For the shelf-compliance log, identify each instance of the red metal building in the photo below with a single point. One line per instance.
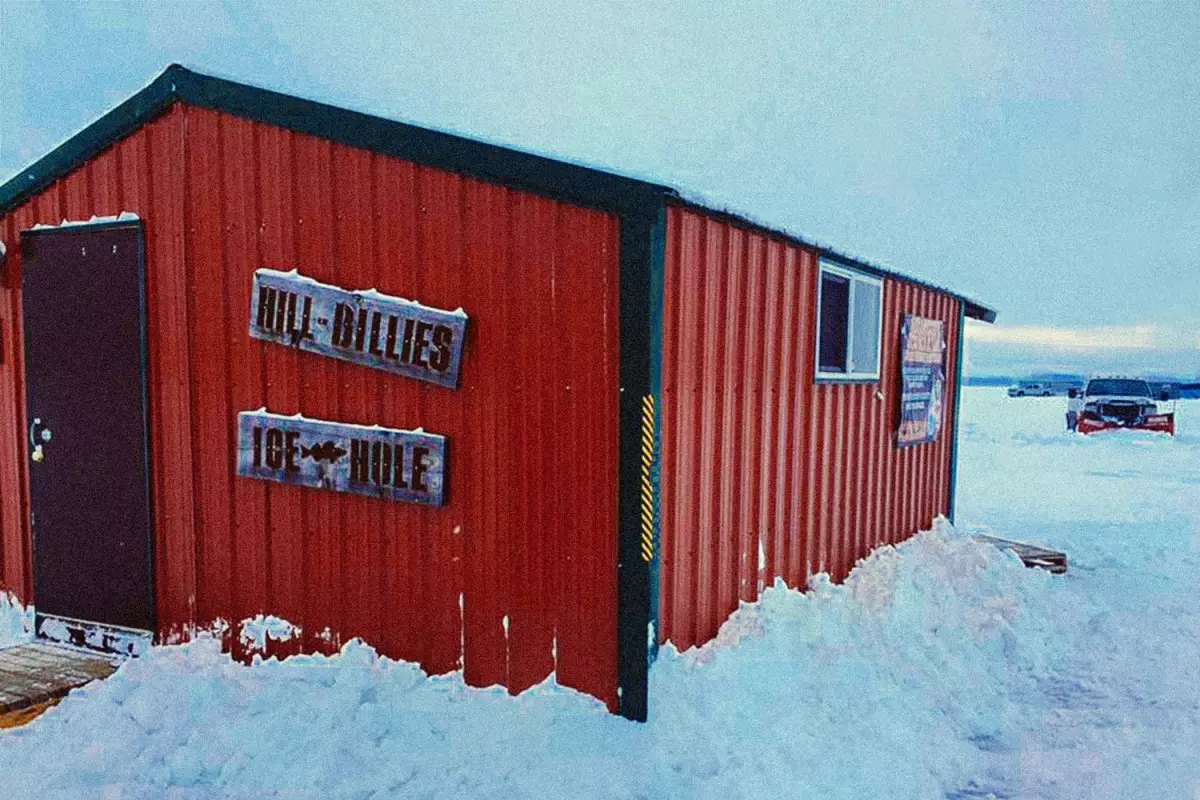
(604, 316)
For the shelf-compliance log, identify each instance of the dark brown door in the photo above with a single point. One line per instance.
(85, 368)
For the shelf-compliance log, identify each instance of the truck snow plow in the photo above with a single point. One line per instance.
(1159, 423)
(1122, 403)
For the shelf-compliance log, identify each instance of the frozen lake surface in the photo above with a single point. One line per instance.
(942, 668)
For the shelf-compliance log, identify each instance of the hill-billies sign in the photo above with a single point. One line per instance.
(363, 327)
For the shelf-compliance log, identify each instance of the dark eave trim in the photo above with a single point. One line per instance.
(559, 180)
(972, 309)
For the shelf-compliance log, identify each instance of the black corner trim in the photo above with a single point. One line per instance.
(642, 238)
(955, 433)
(559, 180)
(976, 311)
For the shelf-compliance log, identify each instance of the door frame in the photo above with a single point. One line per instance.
(91, 634)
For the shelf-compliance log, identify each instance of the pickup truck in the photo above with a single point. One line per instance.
(1122, 403)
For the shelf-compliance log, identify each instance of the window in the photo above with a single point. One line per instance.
(849, 311)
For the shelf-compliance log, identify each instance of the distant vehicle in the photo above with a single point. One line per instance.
(1119, 402)
(1045, 386)
(1030, 389)
(1042, 388)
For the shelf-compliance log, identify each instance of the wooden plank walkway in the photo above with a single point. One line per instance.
(37, 675)
(1030, 555)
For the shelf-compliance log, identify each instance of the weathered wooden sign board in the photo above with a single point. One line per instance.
(409, 466)
(368, 328)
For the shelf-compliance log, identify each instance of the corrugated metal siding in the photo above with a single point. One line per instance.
(528, 538)
(15, 573)
(767, 474)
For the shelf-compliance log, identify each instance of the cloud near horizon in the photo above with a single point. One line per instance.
(1147, 349)
(1104, 337)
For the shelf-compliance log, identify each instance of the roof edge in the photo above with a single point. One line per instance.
(972, 308)
(144, 106)
(554, 178)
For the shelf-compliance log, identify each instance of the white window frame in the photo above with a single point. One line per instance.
(855, 277)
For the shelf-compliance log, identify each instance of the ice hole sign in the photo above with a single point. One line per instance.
(363, 327)
(408, 466)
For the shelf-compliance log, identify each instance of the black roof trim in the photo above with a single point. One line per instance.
(123, 120)
(560, 180)
(579, 185)
(971, 308)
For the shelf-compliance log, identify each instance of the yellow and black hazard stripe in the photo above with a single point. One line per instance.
(649, 500)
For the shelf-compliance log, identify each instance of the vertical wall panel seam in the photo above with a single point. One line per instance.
(338, 512)
(227, 320)
(186, 269)
(290, 213)
(154, 406)
(785, 513)
(25, 503)
(807, 418)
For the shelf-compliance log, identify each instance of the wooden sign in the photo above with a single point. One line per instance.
(409, 466)
(367, 328)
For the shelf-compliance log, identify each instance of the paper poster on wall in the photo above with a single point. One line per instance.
(364, 327)
(408, 466)
(923, 377)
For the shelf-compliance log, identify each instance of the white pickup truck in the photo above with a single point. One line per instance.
(1116, 402)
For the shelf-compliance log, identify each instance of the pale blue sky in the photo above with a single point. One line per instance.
(1043, 157)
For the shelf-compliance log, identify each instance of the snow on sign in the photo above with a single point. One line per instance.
(408, 466)
(923, 372)
(367, 328)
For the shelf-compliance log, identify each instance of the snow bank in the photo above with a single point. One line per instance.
(16, 621)
(885, 683)
(312, 726)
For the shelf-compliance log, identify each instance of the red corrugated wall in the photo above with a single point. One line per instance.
(528, 540)
(765, 473)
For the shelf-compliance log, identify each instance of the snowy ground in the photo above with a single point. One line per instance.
(942, 669)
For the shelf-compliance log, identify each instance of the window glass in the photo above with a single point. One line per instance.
(1119, 387)
(834, 316)
(864, 356)
(849, 317)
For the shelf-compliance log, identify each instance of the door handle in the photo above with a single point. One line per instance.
(36, 452)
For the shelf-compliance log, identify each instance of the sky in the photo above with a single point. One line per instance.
(1043, 158)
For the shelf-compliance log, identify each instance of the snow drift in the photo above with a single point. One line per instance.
(878, 683)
